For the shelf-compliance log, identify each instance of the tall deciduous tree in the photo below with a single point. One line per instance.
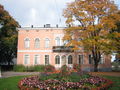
(90, 25)
(8, 36)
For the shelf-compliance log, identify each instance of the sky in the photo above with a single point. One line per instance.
(38, 12)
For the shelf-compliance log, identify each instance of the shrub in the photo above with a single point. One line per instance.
(39, 68)
(64, 71)
(19, 68)
(49, 68)
(77, 67)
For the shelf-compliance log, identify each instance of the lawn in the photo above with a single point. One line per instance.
(12, 82)
(116, 80)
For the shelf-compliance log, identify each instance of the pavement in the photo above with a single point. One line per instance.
(116, 74)
(11, 74)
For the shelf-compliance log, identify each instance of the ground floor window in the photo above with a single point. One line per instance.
(36, 59)
(57, 59)
(46, 59)
(26, 59)
(90, 57)
(70, 60)
(101, 59)
(80, 59)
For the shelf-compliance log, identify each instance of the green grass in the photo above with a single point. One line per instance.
(73, 77)
(11, 83)
(116, 80)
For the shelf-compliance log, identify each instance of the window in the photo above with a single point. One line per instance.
(80, 59)
(69, 59)
(57, 40)
(27, 43)
(46, 59)
(47, 42)
(57, 59)
(36, 61)
(101, 59)
(90, 59)
(37, 43)
(26, 59)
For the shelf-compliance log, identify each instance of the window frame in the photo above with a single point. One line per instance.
(70, 59)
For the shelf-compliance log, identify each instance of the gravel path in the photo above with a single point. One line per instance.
(117, 74)
(11, 74)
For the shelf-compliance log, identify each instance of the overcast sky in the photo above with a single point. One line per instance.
(38, 12)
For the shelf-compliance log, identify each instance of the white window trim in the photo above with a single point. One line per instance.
(35, 43)
(38, 62)
(49, 59)
(45, 43)
(56, 41)
(25, 42)
(78, 59)
(24, 59)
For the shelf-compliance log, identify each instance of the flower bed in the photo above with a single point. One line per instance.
(31, 83)
(64, 79)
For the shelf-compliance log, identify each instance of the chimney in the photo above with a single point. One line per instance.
(44, 26)
(31, 26)
(47, 25)
(57, 26)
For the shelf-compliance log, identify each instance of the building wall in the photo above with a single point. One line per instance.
(51, 33)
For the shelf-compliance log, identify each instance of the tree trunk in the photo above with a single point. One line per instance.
(95, 67)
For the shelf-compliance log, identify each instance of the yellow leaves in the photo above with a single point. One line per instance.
(103, 33)
(117, 35)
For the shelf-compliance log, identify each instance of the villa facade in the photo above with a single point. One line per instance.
(43, 46)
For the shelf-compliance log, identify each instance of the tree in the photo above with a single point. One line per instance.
(90, 25)
(8, 36)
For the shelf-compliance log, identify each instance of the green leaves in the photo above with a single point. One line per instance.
(8, 36)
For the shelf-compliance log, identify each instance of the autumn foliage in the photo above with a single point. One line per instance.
(90, 27)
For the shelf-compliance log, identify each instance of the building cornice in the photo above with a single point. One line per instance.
(41, 28)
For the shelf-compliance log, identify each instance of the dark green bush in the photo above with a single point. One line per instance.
(64, 71)
(39, 68)
(19, 68)
(22, 68)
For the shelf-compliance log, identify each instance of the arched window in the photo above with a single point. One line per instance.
(47, 43)
(70, 59)
(57, 59)
(57, 40)
(37, 43)
(27, 43)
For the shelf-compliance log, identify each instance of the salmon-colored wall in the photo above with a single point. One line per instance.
(50, 33)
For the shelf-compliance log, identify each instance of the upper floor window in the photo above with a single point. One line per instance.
(57, 59)
(36, 59)
(70, 59)
(37, 43)
(57, 40)
(26, 59)
(47, 43)
(27, 43)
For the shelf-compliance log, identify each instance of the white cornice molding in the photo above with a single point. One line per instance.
(34, 50)
(40, 28)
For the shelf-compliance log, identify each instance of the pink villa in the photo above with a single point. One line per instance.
(43, 46)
